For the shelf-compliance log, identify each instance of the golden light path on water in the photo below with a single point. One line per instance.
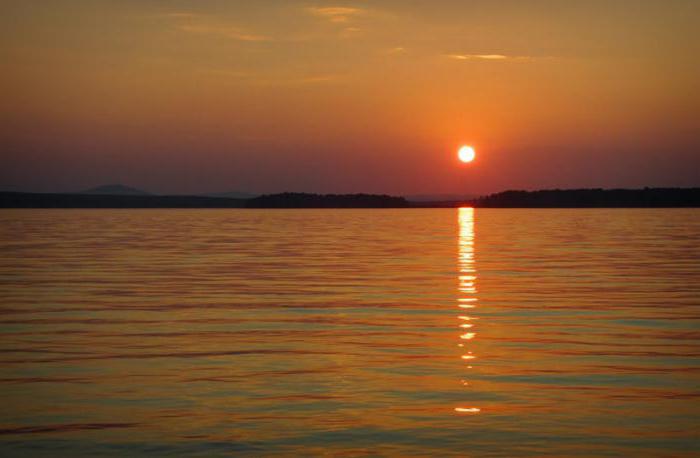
(466, 299)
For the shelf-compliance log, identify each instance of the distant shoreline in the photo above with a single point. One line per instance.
(571, 198)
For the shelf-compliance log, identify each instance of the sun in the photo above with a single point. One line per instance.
(466, 153)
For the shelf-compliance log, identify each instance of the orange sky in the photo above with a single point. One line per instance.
(360, 96)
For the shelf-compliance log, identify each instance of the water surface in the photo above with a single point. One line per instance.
(442, 332)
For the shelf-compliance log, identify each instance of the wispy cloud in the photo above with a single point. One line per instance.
(396, 50)
(317, 79)
(180, 15)
(349, 32)
(228, 74)
(335, 13)
(203, 24)
(234, 33)
(309, 80)
(255, 78)
(493, 57)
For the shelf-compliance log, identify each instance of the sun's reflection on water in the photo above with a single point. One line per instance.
(467, 289)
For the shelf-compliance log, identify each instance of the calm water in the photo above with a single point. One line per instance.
(350, 332)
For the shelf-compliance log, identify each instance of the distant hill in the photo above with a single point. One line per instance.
(232, 195)
(41, 200)
(115, 190)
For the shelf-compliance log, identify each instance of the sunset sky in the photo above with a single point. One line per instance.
(193, 96)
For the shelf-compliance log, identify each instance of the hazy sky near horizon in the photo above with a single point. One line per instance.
(189, 96)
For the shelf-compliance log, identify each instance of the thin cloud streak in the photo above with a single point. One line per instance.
(233, 33)
(492, 57)
(350, 32)
(262, 79)
(181, 15)
(335, 13)
(202, 24)
(298, 81)
(318, 79)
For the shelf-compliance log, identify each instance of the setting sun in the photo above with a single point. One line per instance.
(466, 154)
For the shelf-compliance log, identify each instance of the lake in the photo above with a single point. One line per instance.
(415, 332)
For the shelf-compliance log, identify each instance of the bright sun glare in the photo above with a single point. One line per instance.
(466, 153)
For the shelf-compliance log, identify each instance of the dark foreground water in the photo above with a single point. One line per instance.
(350, 332)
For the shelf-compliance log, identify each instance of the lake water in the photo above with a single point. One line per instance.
(486, 332)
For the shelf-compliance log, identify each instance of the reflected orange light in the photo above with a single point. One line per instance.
(467, 409)
(466, 280)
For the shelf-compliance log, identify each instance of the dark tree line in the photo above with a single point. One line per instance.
(304, 200)
(556, 198)
(577, 198)
(285, 200)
